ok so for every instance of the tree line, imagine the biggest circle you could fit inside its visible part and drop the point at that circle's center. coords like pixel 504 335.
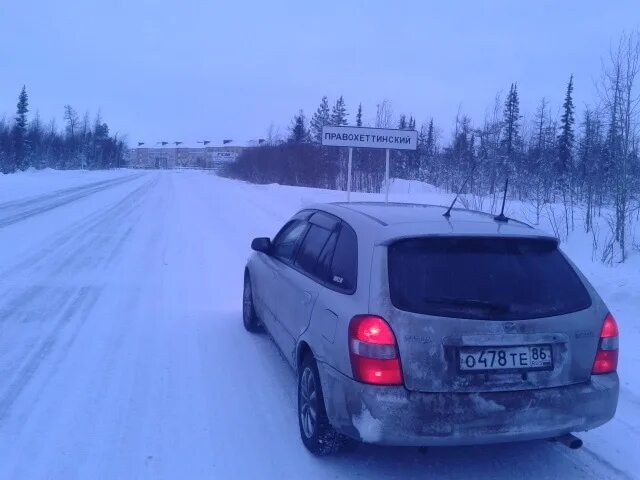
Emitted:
pixel 588 162
pixel 28 142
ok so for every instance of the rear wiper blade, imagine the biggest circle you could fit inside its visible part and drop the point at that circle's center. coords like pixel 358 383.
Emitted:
pixel 468 302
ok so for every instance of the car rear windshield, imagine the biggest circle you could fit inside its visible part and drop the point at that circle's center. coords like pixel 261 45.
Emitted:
pixel 484 278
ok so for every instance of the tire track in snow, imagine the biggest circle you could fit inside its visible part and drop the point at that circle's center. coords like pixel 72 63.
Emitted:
pixel 603 461
pixel 26 202
pixel 36 206
pixel 81 229
pixel 85 296
pixel 63 257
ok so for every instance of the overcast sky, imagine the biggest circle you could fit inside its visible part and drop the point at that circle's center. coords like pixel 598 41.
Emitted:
pixel 203 69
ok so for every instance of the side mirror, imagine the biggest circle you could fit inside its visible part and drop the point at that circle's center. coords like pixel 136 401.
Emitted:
pixel 261 244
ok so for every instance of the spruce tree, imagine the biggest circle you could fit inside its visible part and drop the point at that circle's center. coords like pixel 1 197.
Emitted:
pixel 511 134
pixel 422 153
pixel 402 123
pixel 20 131
pixel 565 153
pixel 320 118
pixel 462 149
pixel 566 137
pixel 430 145
pixel 35 134
pixel 71 140
pixel 359 116
pixel 339 113
pixel 32 143
pixel 299 132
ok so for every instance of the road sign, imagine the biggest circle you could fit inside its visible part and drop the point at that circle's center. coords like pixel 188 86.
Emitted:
pixel 224 156
pixel 364 137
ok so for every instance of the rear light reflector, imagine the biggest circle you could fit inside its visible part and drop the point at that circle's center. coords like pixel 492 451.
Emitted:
pixel 606 360
pixel 377 372
pixel 373 351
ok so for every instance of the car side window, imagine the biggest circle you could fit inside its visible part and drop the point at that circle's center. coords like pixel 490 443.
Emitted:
pixel 311 248
pixel 323 268
pixel 344 264
pixel 285 243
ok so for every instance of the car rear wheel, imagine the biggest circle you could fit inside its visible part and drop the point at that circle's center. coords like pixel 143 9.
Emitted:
pixel 317 434
pixel 249 317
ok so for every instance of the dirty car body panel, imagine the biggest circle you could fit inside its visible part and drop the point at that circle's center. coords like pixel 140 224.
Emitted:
pixel 413 266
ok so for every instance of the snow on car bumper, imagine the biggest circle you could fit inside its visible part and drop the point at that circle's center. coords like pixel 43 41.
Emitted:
pixel 396 416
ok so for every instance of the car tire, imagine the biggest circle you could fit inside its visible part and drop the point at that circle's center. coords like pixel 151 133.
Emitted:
pixel 316 432
pixel 249 318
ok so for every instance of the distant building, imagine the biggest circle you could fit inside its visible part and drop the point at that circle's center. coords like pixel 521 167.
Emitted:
pixel 185 156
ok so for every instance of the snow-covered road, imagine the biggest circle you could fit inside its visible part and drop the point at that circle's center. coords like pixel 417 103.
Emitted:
pixel 122 351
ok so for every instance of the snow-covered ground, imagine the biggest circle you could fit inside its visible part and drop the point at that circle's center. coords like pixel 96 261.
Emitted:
pixel 122 351
pixel 34 182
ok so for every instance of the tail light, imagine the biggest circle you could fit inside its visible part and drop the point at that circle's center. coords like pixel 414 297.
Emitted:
pixel 373 351
pixel 607 355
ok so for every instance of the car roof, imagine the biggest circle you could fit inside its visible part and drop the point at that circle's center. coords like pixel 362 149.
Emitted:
pixel 386 222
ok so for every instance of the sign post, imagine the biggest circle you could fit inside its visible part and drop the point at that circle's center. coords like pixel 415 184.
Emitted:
pixel 364 137
pixel 349 175
pixel 386 177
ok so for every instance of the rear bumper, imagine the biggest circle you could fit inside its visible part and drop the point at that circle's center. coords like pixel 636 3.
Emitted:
pixel 396 416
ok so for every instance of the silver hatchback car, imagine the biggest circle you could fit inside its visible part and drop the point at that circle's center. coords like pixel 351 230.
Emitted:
pixel 407 327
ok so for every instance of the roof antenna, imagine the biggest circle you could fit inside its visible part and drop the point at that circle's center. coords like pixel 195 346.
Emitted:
pixel 502 217
pixel 447 214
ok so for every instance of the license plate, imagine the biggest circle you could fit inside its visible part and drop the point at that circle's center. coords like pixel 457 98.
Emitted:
pixel 529 357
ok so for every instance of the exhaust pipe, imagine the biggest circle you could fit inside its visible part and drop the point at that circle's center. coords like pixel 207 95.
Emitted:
pixel 569 440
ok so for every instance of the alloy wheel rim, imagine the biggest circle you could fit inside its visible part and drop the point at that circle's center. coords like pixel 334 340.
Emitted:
pixel 308 403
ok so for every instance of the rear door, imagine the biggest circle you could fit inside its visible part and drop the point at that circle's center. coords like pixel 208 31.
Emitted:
pixel 299 283
pixel 489 314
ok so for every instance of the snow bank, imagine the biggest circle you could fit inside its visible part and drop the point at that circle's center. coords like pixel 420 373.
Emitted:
pixel 402 186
